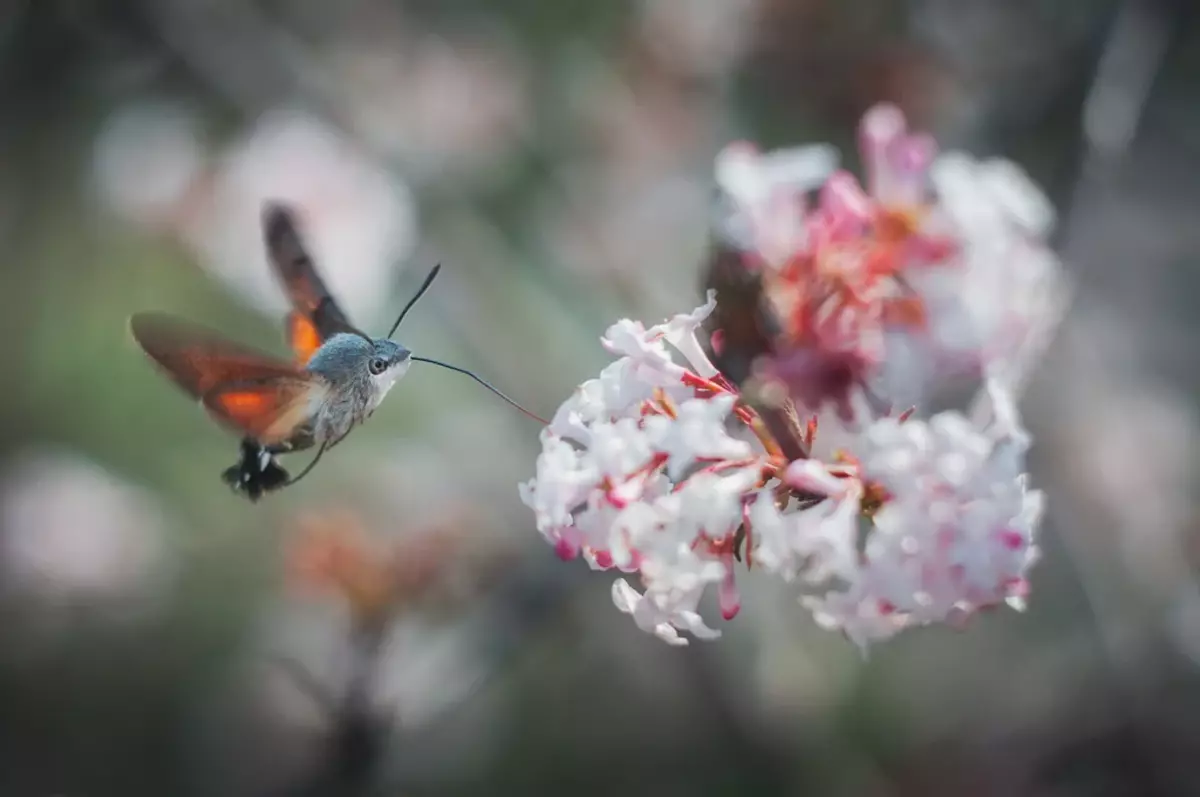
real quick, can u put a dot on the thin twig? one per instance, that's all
(306, 682)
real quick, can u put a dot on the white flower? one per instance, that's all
(996, 304)
(639, 471)
(955, 528)
(750, 177)
(563, 481)
(642, 346)
(817, 544)
(646, 350)
(680, 332)
(763, 208)
(707, 504)
(620, 388)
(664, 623)
(619, 448)
(696, 433)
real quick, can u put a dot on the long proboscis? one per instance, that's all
(420, 292)
(483, 382)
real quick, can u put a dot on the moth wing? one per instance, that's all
(317, 316)
(270, 410)
(251, 392)
(302, 337)
(199, 359)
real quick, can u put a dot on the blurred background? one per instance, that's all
(396, 626)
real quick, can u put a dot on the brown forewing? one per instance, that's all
(250, 391)
(297, 272)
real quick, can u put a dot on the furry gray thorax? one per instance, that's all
(358, 374)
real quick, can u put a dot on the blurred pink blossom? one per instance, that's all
(454, 106)
(938, 268)
(75, 533)
(359, 220)
(698, 36)
(147, 160)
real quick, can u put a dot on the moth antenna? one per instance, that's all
(420, 292)
(483, 382)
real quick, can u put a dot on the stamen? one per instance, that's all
(665, 402)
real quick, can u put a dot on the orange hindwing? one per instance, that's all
(302, 337)
(270, 411)
(251, 392)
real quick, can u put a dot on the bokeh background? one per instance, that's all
(163, 637)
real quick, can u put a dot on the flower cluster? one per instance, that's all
(947, 523)
(937, 268)
(667, 470)
(639, 472)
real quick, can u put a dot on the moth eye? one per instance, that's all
(377, 365)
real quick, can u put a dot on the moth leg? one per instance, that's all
(324, 447)
(310, 466)
(340, 438)
(257, 470)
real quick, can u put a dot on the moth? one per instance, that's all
(338, 377)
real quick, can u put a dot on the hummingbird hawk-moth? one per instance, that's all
(337, 378)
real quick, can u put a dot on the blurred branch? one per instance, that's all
(1113, 108)
(305, 682)
(358, 733)
(1115, 104)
